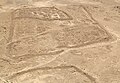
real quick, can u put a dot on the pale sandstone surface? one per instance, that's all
(59, 41)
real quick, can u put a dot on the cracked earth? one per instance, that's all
(59, 41)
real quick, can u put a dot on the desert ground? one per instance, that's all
(59, 41)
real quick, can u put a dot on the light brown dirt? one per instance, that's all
(59, 41)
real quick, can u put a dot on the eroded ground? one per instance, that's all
(59, 41)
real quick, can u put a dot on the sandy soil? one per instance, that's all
(59, 41)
